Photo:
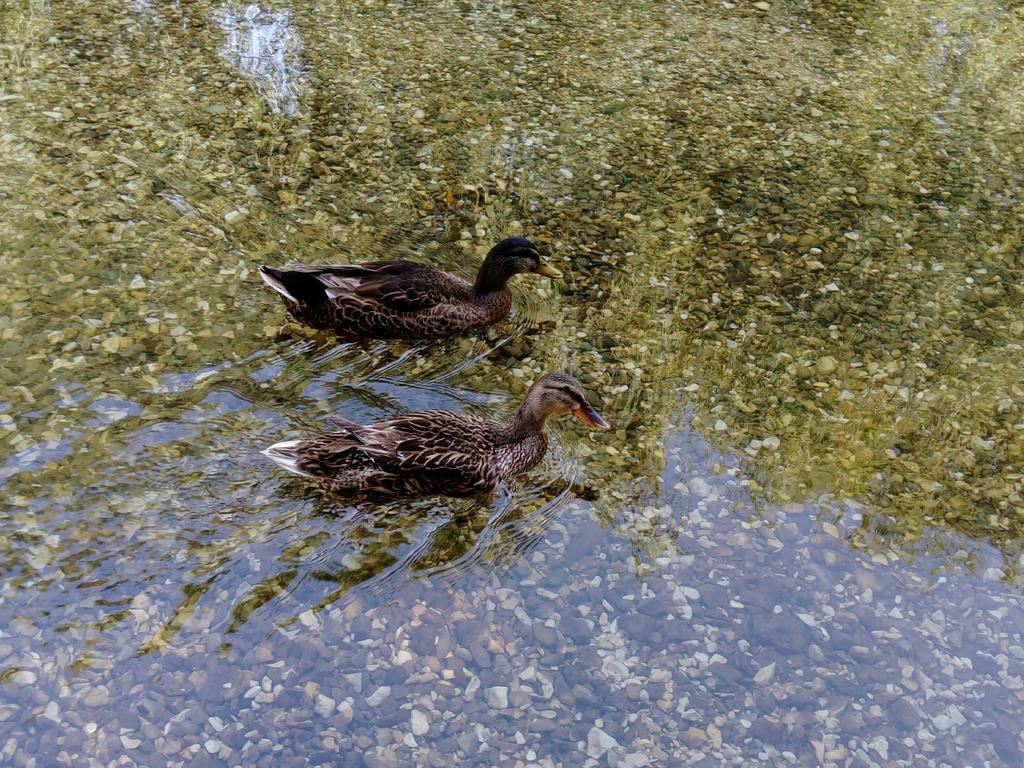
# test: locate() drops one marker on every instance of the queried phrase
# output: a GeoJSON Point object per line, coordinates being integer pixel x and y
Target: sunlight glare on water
{"type": "Point", "coordinates": [264, 46]}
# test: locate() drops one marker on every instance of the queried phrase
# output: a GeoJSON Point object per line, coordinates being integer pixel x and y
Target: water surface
{"type": "Point", "coordinates": [792, 239]}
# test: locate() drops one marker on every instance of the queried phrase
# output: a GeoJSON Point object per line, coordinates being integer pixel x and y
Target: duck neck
{"type": "Point", "coordinates": [528, 422]}
{"type": "Point", "coordinates": [490, 279]}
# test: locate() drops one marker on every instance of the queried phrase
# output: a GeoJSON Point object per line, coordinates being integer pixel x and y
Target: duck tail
{"type": "Point", "coordinates": [286, 456]}
{"type": "Point", "coordinates": [296, 287]}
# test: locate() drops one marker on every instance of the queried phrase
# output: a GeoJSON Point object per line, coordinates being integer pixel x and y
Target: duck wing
{"type": "Point", "coordinates": [432, 440]}
{"type": "Point", "coordinates": [402, 286]}
{"type": "Point", "coordinates": [426, 452]}
{"type": "Point", "coordinates": [347, 428]}
{"type": "Point", "coordinates": [409, 292]}
{"type": "Point", "coordinates": [415, 442]}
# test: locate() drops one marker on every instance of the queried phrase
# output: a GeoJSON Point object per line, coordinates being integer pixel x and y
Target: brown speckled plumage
{"type": "Point", "coordinates": [434, 452]}
{"type": "Point", "coordinates": [403, 299]}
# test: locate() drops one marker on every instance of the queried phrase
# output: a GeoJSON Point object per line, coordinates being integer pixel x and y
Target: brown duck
{"type": "Point", "coordinates": [435, 452]}
{"type": "Point", "coordinates": [404, 299]}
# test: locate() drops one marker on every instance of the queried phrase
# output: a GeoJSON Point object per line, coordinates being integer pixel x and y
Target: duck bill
{"type": "Point", "coordinates": [593, 418]}
{"type": "Point", "coordinates": [548, 271]}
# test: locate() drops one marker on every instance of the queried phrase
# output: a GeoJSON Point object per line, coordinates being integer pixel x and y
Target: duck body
{"type": "Point", "coordinates": [403, 299]}
{"type": "Point", "coordinates": [433, 452]}
{"type": "Point", "coordinates": [418, 454]}
{"type": "Point", "coordinates": [386, 299]}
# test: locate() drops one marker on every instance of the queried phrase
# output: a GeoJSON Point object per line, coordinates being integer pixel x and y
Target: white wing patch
{"type": "Point", "coordinates": [283, 455]}
{"type": "Point", "coordinates": [277, 286]}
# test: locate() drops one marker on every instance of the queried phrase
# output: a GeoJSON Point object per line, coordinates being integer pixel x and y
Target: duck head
{"type": "Point", "coordinates": [512, 256]}
{"type": "Point", "coordinates": [557, 393]}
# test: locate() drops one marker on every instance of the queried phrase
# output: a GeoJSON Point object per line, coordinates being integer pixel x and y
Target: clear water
{"type": "Point", "coordinates": [792, 240]}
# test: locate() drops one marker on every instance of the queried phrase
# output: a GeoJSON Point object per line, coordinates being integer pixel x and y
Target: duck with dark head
{"type": "Point", "coordinates": [405, 299]}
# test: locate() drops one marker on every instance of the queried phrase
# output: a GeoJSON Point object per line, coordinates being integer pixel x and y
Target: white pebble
{"type": "Point", "coordinates": [497, 697]}
{"type": "Point", "coordinates": [378, 696]}
{"type": "Point", "coordinates": [324, 705]}
{"type": "Point", "coordinates": [599, 742]}
{"type": "Point", "coordinates": [420, 723]}
{"type": "Point", "coordinates": [765, 674]}
{"type": "Point", "coordinates": [699, 487]}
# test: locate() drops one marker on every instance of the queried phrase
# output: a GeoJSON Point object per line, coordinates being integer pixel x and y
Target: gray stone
{"type": "Point", "coordinates": [545, 635]}
{"type": "Point", "coordinates": [383, 759]}
{"type": "Point", "coordinates": [579, 630]}
{"type": "Point", "coordinates": [97, 696]}
{"type": "Point", "coordinates": [638, 625]}
{"type": "Point", "coordinates": [903, 715]}
{"type": "Point", "coordinates": [1007, 745]}
{"type": "Point", "coordinates": [768, 731]}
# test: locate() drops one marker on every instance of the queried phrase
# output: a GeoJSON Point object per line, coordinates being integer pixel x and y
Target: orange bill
{"type": "Point", "coordinates": [593, 418]}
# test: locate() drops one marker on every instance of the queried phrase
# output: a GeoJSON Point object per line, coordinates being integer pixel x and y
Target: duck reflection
{"type": "Point", "coordinates": [381, 548]}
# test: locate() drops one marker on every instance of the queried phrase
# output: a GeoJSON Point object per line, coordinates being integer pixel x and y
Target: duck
{"type": "Point", "coordinates": [404, 299]}
{"type": "Point", "coordinates": [435, 452]}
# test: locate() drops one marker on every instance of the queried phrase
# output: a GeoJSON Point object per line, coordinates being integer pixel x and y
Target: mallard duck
{"type": "Point", "coordinates": [435, 452]}
{"type": "Point", "coordinates": [403, 299]}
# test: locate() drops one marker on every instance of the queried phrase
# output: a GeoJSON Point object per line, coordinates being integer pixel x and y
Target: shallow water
{"type": "Point", "coordinates": [792, 239]}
